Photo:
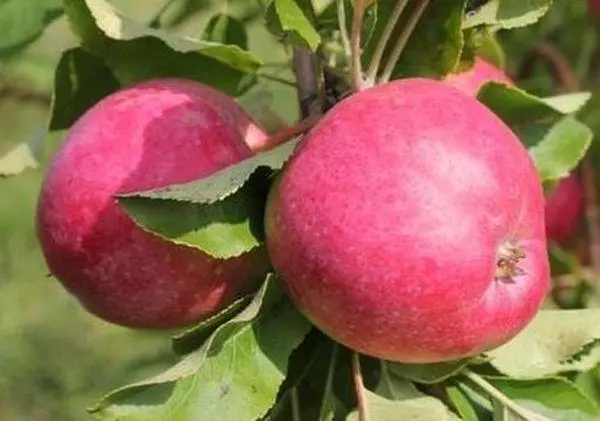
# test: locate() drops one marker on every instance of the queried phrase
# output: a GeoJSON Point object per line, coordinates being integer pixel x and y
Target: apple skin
{"type": "Point", "coordinates": [594, 7]}
{"type": "Point", "coordinates": [388, 223]}
{"type": "Point", "coordinates": [149, 135]}
{"type": "Point", "coordinates": [471, 81]}
{"type": "Point", "coordinates": [564, 207]}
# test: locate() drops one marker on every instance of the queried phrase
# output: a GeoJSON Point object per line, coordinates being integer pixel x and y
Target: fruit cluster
{"type": "Point", "coordinates": [407, 225]}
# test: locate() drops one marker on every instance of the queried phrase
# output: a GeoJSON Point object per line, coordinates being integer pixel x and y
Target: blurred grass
{"type": "Point", "coordinates": [55, 358]}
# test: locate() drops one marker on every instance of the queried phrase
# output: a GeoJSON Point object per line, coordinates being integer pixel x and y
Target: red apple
{"type": "Point", "coordinates": [146, 136]}
{"type": "Point", "coordinates": [594, 7]}
{"type": "Point", "coordinates": [411, 230]}
{"type": "Point", "coordinates": [564, 207]}
{"type": "Point", "coordinates": [470, 81]}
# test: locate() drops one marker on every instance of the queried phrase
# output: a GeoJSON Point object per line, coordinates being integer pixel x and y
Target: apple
{"type": "Point", "coordinates": [408, 229]}
{"type": "Point", "coordinates": [564, 207]}
{"type": "Point", "coordinates": [471, 80]}
{"type": "Point", "coordinates": [594, 7]}
{"type": "Point", "coordinates": [145, 136]}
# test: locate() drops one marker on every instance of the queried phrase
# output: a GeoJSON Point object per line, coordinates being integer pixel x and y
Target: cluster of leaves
{"type": "Point", "coordinates": [260, 359]}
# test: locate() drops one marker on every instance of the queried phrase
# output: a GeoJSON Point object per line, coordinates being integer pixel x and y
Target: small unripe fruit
{"type": "Point", "coordinates": [564, 207]}
{"type": "Point", "coordinates": [411, 230]}
{"type": "Point", "coordinates": [146, 136]}
{"type": "Point", "coordinates": [471, 81]}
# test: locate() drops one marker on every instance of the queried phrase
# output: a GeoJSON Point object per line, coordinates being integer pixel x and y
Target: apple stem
{"type": "Point", "coordinates": [494, 393]}
{"type": "Point", "coordinates": [295, 405]}
{"type": "Point", "coordinates": [401, 44]}
{"type": "Point", "coordinates": [383, 41]}
{"type": "Point", "coordinates": [355, 53]}
{"type": "Point", "coordinates": [285, 134]}
{"type": "Point", "coordinates": [359, 388]}
{"type": "Point", "coordinates": [344, 29]}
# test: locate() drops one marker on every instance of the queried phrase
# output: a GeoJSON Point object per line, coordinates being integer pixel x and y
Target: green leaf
{"type": "Point", "coordinates": [503, 413]}
{"type": "Point", "coordinates": [223, 183]}
{"type": "Point", "coordinates": [415, 408]}
{"type": "Point", "coordinates": [400, 400]}
{"type": "Point", "coordinates": [590, 113]}
{"type": "Point", "coordinates": [135, 52]}
{"type": "Point", "coordinates": [221, 215]}
{"type": "Point", "coordinates": [481, 402]}
{"type": "Point", "coordinates": [192, 338]}
{"type": "Point", "coordinates": [562, 149]}
{"type": "Point", "coordinates": [589, 383]}
{"type": "Point", "coordinates": [568, 103]}
{"type": "Point", "coordinates": [23, 21]}
{"type": "Point", "coordinates": [508, 13]}
{"type": "Point", "coordinates": [225, 229]}
{"type": "Point", "coordinates": [556, 341]}
{"type": "Point", "coordinates": [427, 373]}
{"type": "Point", "coordinates": [17, 160]}
{"type": "Point", "coordinates": [293, 19]}
{"type": "Point", "coordinates": [319, 371]}
{"type": "Point", "coordinates": [556, 143]}
{"type": "Point", "coordinates": [236, 374]}
{"type": "Point", "coordinates": [80, 81]}
{"type": "Point", "coordinates": [225, 29]}
{"type": "Point", "coordinates": [434, 48]}
{"type": "Point", "coordinates": [461, 403]}
{"type": "Point", "coordinates": [529, 116]}
{"type": "Point", "coordinates": [555, 398]}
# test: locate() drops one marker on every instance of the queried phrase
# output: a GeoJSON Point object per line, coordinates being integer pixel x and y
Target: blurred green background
{"type": "Point", "coordinates": [56, 359]}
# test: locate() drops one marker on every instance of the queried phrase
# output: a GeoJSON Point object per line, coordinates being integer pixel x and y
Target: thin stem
{"type": "Point", "coordinates": [23, 92]}
{"type": "Point", "coordinates": [404, 37]}
{"type": "Point", "coordinates": [277, 79]}
{"type": "Point", "coordinates": [494, 393]}
{"type": "Point", "coordinates": [355, 53]}
{"type": "Point", "coordinates": [560, 64]}
{"type": "Point", "coordinates": [383, 41]}
{"type": "Point", "coordinates": [329, 380]}
{"type": "Point", "coordinates": [295, 405]}
{"type": "Point", "coordinates": [359, 388]}
{"type": "Point", "coordinates": [343, 28]}
{"type": "Point", "coordinates": [287, 133]}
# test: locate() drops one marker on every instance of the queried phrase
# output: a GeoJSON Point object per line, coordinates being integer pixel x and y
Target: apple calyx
{"type": "Point", "coordinates": [507, 265]}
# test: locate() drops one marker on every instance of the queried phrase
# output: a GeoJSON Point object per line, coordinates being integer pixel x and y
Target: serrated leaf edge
{"type": "Point", "coordinates": [196, 358]}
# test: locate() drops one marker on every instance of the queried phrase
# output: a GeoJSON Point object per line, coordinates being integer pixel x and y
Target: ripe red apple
{"type": "Point", "coordinates": [564, 207]}
{"type": "Point", "coordinates": [146, 136]}
{"type": "Point", "coordinates": [411, 230]}
{"type": "Point", "coordinates": [470, 81]}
